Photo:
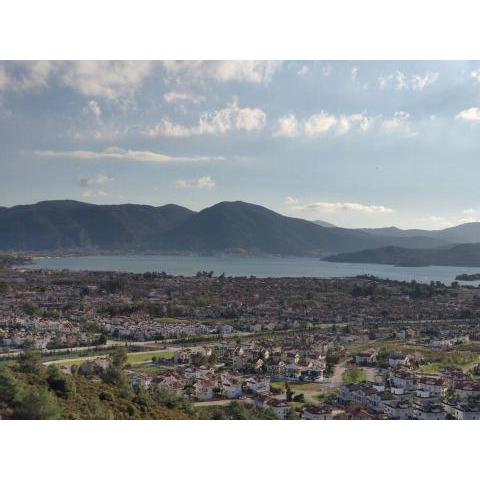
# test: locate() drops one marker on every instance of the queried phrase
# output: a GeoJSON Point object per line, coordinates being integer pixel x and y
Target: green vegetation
{"type": "Point", "coordinates": [132, 358]}
{"type": "Point", "coordinates": [465, 277]}
{"type": "Point", "coordinates": [11, 261]}
{"type": "Point", "coordinates": [29, 390]}
{"type": "Point", "coordinates": [235, 411]}
{"type": "Point", "coordinates": [463, 255]}
{"type": "Point", "coordinates": [354, 375]}
{"type": "Point", "coordinates": [462, 360]}
{"type": "Point", "coordinates": [332, 358]}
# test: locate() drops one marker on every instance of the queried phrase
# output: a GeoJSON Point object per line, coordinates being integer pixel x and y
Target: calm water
{"type": "Point", "coordinates": [246, 266]}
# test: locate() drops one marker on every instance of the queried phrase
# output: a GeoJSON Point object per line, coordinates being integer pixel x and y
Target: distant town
{"type": "Point", "coordinates": [122, 345]}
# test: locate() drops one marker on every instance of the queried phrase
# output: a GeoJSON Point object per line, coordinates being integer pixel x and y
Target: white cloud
{"type": "Point", "coordinates": [286, 126]}
{"type": "Point", "coordinates": [96, 181]}
{"type": "Point", "coordinates": [202, 183]}
{"type": "Point", "coordinates": [94, 194]}
{"type": "Point", "coordinates": [332, 207]}
{"type": "Point", "coordinates": [469, 211]}
{"type": "Point", "coordinates": [327, 123]}
{"type": "Point", "coordinates": [108, 79]}
{"type": "Point", "coordinates": [469, 115]}
{"type": "Point", "coordinates": [291, 201]}
{"type": "Point", "coordinates": [253, 71]}
{"type": "Point", "coordinates": [166, 128]}
{"type": "Point", "coordinates": [115, 153]}
{"type": "Point", "coordinates": [93, 108]}
{"type": "Point", "coordinates": [399, 123]}
{"type": "Point", "coordinates": [303, 70]}
{"type": "Point", "coordinates": [319, 124]}
{"type": "Point", "coordinates": [218, 122]}
{"type": "Point", "coordinates": [175, 96]}
{"type": "Point", "coordinates": [354, 74]}
{"type": "Point", "coordinates": [25, 76]}
{"type": "Point", "coordinates": [419, 82]}
{"type": "Point", "coordinates": [91, 186]}
{"type": "Point", "coordinates": [356, 120]}
{"type": "Point", "coordinates": [476, 76]}
{"type": "Point", "coordinates": [401, 81]}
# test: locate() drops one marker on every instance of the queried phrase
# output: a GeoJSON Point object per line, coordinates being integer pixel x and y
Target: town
{"type": "Point", "coordinates": [279, 348]}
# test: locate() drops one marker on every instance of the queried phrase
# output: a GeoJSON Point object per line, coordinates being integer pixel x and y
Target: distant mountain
{"type": "Point", "coordinates": [224, 227]}
{"type": "Point", "coordinates": [464, 233]}
{"type": "Point", "coordinates": [245, 227]}
{"type": "Point", "coordinates": [67, 224]}
{"type": "Point", "coordinates": [464, 255]}
{"type": "Point", "coordinates": [322, 223]}
{"type": "Point", "coordinates": [240, 226]}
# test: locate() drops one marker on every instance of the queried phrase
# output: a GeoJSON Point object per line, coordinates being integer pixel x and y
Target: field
{"type": "Point", "coordinates": [133, 358]}
{"type": "Point", "coordinates": [462, 360]}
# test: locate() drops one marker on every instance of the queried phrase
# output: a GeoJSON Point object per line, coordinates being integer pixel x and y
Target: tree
{"type": "Point", "coordinates": [60, 383]}
{"type": "Point", "coordinates": [31, 309]}
{"type": "Point", "coordinates": [37, 404]}
{"type": "Point", "coordinates": [288, 392]}
{"type": "Point", "coordinates": [119, 357]}
{"type": "Point", "coordinates": [9, 386]}
{"type": "Point", "coordinates": [30, 361]}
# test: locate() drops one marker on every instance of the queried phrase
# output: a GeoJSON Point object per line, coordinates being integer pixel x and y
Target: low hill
{"type": "Point", "coordinates": [464, 233]}
{"type": "Point", "coordinates": [464, 255]}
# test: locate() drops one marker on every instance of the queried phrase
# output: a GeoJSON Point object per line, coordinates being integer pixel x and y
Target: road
{"type": "Point", "coordinates": [212, 403]}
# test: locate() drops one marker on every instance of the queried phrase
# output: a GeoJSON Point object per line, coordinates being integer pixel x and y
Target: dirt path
{"type": "Point", "coordinates": [336, 381]}
{"type": "Point", "coordinates": [211, 403]}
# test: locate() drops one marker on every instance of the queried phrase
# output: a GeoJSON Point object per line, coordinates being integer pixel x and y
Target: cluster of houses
{"type": "Point", "coordinates": [407, 392]}
{"type": "Point", "coordinates": [146, 307]}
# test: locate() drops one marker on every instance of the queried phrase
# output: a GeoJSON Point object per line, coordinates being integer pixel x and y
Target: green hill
{"type": "Point", "coordinates": [464, 255]}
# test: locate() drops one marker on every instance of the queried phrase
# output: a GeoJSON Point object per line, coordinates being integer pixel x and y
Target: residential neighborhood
{"type": "Point", "coordinates": [296, 348]}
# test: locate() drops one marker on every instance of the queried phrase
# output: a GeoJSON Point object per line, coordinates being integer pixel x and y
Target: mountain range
{"type": "Point", "coordinates": [232, 227]}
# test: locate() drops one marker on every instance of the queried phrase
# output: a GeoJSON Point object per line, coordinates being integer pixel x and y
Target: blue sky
{"type": "Point", "coordinates": [355, 143]}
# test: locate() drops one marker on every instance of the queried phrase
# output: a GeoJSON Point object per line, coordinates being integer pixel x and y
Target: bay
{"type": "Point", "coordinates": [246, 266]}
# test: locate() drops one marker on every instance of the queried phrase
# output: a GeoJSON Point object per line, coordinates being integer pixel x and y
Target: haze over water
{"type": "Point", "coordinates": [246, 266]}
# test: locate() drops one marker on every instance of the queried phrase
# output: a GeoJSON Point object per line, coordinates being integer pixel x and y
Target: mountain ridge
{"type": "Point", "coordinates": [227, 227]}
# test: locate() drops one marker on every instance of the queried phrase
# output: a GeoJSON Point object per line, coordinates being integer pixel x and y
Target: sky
{"type": "Point", "coordinates": [357, 143]}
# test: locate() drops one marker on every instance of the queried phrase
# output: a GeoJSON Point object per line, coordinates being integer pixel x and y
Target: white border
{"type": "Point", "coordinates": [222, 29]}
{"type": "Point", "coordinates": [247, 29]}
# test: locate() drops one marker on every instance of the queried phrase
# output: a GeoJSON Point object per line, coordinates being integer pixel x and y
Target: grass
{"type": "Point", "coordinates": [133, 358]}
{"type": "Point", "coordinates": [354, 375]}
{"type": "Point", "coordinates": [147, 356]}
{"type": "Point", "coordinates": [463, 360]}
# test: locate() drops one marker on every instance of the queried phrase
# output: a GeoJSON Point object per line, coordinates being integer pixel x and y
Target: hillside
{"type": "Point", "coordinates": [240, 226]}
{"type": "Point", "coordinates": [69, 224]}
{"type": "Point", "coordinates": [464, 255]}
{"type": "Point", "coordinates": [323, 223]}
{"type": "Point", "coordinates": [464, 233]}
{"type": "Point", "coordinates": [225, 227]}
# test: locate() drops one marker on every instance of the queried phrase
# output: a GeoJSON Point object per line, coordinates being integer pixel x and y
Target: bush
{"type": "Point", "coordinates": [37, 404]}
{"type": "Point", "coordinates": [9, 386]}
{"type": "Point", "coordinates": [60, 383]}
{"type": "Point", "coordinates": [106, 397]}
{"type": "Point", "coordinates": [30, 361]}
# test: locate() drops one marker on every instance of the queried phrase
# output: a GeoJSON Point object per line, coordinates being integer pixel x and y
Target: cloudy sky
{"type": "Point", "coordinates": [354, 143]}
